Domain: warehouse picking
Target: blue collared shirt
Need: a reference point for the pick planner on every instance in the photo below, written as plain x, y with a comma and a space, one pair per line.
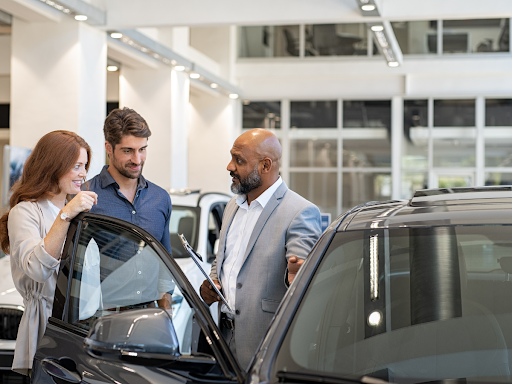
150, 210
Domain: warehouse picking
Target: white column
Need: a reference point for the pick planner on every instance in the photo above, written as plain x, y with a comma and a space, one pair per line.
148, 92
58, 81
180, 91
397, 132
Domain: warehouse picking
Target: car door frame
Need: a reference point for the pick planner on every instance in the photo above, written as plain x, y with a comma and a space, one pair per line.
222, 353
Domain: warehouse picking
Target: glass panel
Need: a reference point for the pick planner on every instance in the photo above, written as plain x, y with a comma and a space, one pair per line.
314, 114
184, 220
367, 152
336, 39
269, 41
496, 178
498, 152
454, 113
416, 37
498, 112
261, 114
360, 187
319, 187
367, 114
313, 153
454, 152
411, 182
454, 181
477, 35
416, 134
410, 333
116, 270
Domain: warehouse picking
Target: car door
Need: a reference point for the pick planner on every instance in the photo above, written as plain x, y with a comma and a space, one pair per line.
111, 266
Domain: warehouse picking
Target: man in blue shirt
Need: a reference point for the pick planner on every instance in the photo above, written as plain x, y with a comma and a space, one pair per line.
122, 190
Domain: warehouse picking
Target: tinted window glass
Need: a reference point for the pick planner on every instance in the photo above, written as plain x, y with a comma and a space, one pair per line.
115, 270
184, 221
314, 114
367, 114
261, 114
408, 306
498, 112
454, 113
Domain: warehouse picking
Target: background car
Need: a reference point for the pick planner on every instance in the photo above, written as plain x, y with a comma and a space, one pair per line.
404, 291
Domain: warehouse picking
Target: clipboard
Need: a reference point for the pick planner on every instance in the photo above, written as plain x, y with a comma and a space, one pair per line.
196, 257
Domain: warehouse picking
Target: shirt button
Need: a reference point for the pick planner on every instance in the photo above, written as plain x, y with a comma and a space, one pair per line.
140, 272
133, 212
237, 312
138, 292
239, 285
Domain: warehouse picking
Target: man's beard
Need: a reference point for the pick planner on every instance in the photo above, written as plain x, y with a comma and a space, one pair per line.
252, 181
125, 172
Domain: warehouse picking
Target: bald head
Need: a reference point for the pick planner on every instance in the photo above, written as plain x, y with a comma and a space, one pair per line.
255, 160
262, 143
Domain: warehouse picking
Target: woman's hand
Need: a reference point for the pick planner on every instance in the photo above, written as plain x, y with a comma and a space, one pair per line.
82, 202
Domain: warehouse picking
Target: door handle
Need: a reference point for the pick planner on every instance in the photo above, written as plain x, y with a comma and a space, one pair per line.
54, 368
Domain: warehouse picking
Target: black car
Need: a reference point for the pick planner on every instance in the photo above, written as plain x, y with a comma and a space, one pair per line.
403, 291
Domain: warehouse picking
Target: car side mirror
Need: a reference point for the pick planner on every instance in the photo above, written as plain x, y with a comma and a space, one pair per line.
140, 333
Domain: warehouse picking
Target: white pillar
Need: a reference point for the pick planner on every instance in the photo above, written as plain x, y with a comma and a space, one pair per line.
397, 133
161, 97
58, 81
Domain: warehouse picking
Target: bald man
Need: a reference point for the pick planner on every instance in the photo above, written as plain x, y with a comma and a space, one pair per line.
267, 232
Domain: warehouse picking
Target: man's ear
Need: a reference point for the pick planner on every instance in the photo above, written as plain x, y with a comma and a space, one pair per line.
108, 148
267, 165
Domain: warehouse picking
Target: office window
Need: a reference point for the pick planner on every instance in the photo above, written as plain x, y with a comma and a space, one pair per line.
269, 41
313, 153
359, 187
416, 134
498, 112
498, 178
261, 114
416, 37
411, 182
454, 113
498, 151
367, 114
455, 152
366, 152
475, 36
314, 114
318, 187
336, 39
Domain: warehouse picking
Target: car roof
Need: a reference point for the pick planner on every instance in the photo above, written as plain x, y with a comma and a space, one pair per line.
434, 207
193, 198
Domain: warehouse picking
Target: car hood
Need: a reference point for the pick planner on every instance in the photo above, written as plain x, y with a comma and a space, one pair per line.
8, 293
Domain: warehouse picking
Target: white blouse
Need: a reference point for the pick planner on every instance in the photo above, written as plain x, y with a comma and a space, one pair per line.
34, 272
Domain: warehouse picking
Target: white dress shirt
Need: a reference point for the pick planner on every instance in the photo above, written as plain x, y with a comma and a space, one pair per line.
237, 239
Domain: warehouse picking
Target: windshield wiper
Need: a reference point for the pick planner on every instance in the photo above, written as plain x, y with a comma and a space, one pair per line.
300, 377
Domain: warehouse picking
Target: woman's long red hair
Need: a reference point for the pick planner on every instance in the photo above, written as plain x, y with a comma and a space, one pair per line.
54, 155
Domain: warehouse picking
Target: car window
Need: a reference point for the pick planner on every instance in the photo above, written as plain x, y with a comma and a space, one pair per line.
184, 221
408, 305
214, 226
115, 270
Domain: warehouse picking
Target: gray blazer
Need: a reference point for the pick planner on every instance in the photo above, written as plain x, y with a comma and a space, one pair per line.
288, 225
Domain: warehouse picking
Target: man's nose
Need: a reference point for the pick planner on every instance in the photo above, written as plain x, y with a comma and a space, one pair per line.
136, 158
231, 167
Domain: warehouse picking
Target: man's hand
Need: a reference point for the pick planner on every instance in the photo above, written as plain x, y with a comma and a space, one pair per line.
166, 301
294, 264
208, 293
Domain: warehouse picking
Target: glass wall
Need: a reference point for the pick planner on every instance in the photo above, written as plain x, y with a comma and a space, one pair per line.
269, 41
337, 153
336, 39
477, 35
416, 37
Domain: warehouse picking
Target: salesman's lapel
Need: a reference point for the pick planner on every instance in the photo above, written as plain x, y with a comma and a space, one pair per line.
272, 204
229, 215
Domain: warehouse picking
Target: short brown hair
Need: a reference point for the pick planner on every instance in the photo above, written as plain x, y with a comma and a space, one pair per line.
123, 122
53, 156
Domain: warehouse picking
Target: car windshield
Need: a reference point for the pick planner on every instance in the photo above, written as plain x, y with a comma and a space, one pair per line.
408, 305
183, 222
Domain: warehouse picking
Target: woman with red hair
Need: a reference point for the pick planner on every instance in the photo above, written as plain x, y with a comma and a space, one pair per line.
34, 230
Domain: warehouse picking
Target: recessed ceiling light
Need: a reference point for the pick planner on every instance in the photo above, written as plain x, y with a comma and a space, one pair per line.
368, 7
233, 96
116, 35
214, 85
393, 64
179, 68
112, 68
80, 17
377, 28
194, 75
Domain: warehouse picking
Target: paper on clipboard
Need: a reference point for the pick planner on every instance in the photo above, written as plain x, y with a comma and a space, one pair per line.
196, 259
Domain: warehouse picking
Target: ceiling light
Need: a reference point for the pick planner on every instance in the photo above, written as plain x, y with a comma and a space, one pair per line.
375, 318
112, 68
116, 35
233, 96
80, 17
179, 68
214, 85
194, 75
393, 64
377, 28
368, 7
